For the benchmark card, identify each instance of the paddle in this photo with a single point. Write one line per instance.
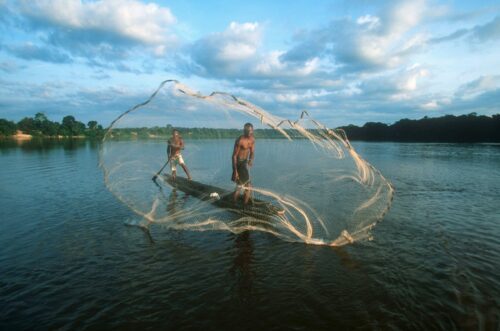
(156, 175)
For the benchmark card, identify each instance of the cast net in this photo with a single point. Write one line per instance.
(308, 184)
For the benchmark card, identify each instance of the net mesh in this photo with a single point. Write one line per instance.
(308, 182)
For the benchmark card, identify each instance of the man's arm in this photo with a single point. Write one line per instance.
(252, 153)
(236, 150)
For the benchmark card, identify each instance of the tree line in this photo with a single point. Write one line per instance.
(189, 133)
(41, 126)
(448, 128)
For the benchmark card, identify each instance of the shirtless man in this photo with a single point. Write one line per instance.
(243, 154)
(175, 145)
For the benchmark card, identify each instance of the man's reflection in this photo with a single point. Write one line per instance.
(242, 265)
(175, 203)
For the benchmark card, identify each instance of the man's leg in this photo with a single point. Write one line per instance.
(186, 171)
(180, 160)
(236, 193)
(173, 168)
(248, 189)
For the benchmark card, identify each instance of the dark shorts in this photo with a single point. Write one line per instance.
(244, 176)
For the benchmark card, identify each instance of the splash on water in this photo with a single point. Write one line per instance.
(328, 193)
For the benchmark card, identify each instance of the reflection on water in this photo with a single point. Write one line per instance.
(46, 144)
(176, 201)
(242, 266)
(68, 262)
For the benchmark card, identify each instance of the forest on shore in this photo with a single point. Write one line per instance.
(448, 128)
(41, 126)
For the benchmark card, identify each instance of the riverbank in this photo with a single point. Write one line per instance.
(21, 136)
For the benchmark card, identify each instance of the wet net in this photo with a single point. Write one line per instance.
(308, 184)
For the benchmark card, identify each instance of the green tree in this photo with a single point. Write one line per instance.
(7, 128)
(92, 125)
(40, 117)
(27, 125)
(50, 128)
(94, 129)
(71, 127)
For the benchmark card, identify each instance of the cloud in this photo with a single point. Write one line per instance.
(488, 31)
(99, 32)
(120, 19)
(10, 67)
(368, 43)
(480, 95)
(396, 86)
(225, 53)
(478, 86)
(60, 98)
(431, 105)
(483, 103)
(30, 51)
(235, 54)
(452, 36)
(447, 14)
(479, 34)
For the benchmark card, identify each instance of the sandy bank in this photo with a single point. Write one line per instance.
(21, 136)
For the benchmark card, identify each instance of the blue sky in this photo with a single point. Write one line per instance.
(344, 61)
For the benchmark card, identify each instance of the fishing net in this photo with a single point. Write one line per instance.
(308, 184)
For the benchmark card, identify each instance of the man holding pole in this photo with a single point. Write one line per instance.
(175, 145)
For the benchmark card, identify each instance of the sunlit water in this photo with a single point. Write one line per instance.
(68, 261)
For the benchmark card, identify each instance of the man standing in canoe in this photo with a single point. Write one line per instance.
(175, 145)
(243, 154)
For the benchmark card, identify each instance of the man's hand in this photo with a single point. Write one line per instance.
(250, 163)
(236, 176)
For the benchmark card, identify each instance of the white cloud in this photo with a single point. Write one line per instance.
(397, 85)
(408, 81)
(130, 19)
(224, 53)
(431, 105)
(239, 42)
(234, 53)
(371, 21)
(288, 98)
(402, 17)
(270, 63)
(383, 47)
(368, 43)
(478, 86)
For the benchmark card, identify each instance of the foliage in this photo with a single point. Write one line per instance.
(7, 128)
(41, 126)
(449, 128)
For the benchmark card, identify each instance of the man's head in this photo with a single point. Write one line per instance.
(248, 129)
(175, 133)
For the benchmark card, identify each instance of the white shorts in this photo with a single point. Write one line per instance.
(177, 159)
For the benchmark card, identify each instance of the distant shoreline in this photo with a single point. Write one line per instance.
(469, 128)
(21, 136)
(27, 138)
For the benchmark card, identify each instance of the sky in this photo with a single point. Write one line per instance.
(345, 62)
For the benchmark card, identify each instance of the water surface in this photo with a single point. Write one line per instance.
(68, 261)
